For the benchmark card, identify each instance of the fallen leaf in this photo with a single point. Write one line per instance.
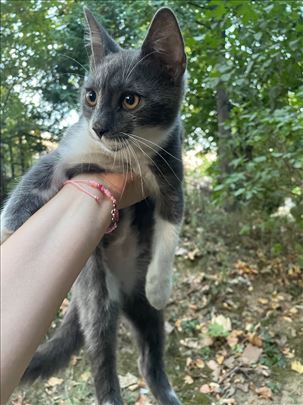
(243, 387)
(178, 325)
(188, 379)
(64, 306)
(205, 389)
(215, 369)
(190, 343)
(297, 366)
(189, 361)
(232, 340)
(85, 376)
(263, 301)
(230, 362)
(127, 380)
(181, 251)
(222, 321)
(194, 254)
(53, 381)
(74, 360)
(220, 358)
(142, 400)
(206, 341)
(254, 339)
(212, 365)
(251, 354)
(244, 268)
(199, 363)
(168, 328)
(293, 310)
(192, 364)
(228, 401)
(215, 387)
(193, 307)
(20, 401)
(264, 392)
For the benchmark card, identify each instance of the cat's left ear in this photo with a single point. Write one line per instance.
(165, 44)
(100, 41)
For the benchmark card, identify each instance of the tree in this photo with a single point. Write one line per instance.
(244, 97)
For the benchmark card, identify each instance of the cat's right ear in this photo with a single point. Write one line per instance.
(100, 41)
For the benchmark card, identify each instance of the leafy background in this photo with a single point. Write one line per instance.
(243, 118)
(245, 90)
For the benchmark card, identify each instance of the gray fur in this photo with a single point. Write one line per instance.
(147, 141)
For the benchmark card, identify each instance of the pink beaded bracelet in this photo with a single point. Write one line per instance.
(98, 186)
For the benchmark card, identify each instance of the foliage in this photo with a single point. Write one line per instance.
(245, 89)
(216, 330)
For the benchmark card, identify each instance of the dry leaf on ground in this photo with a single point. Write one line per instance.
(188, 379)
(128, 380)
(297, 366)
(64, 306)
(194, 254)
(205, 389)
(53, 381)
(254, 339)
(143, 400)
(251, 354)
(264, 392)
(222, 321)
(85, 376)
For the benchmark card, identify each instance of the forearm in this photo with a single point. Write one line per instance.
(40, 262)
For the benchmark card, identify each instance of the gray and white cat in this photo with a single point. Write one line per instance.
(129, 121)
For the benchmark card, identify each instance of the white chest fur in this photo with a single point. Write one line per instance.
(120, 260)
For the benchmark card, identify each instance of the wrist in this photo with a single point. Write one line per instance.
(96, 191)
(114, 182)
(94, 216)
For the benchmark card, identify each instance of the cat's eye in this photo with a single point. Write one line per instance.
(91, 98)
(130, 101)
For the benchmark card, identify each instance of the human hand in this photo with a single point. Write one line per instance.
(127, 188)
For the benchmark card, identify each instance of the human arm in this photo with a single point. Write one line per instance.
(40, 262)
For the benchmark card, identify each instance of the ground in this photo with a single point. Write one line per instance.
(234, 322)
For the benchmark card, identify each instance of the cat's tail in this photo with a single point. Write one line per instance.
(55, 354)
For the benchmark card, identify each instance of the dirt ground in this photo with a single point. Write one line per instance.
(234, 330)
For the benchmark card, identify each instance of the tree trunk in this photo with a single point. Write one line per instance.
(11, 159)
(224, 148)
(21, 152)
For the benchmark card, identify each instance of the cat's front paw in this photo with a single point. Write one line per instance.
(158, 291)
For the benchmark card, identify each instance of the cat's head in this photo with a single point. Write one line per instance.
(134, 93)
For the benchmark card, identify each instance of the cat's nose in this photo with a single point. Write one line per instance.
(100, 131)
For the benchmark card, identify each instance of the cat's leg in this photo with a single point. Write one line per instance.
(34, 190)
(98, 318)
(159, 274)
(149, 328)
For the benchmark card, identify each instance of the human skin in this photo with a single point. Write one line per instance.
(41, 261)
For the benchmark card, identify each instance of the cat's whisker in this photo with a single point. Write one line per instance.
(154, 164)
(154, 150)
(137, 63)
(126, 171)
(124, 68)
(138, 165)
(128, 154)
(158, 146)
(124, 164)
(115, 155)
(74, 60)
(71, 74)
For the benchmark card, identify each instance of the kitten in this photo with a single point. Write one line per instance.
(129, 120)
